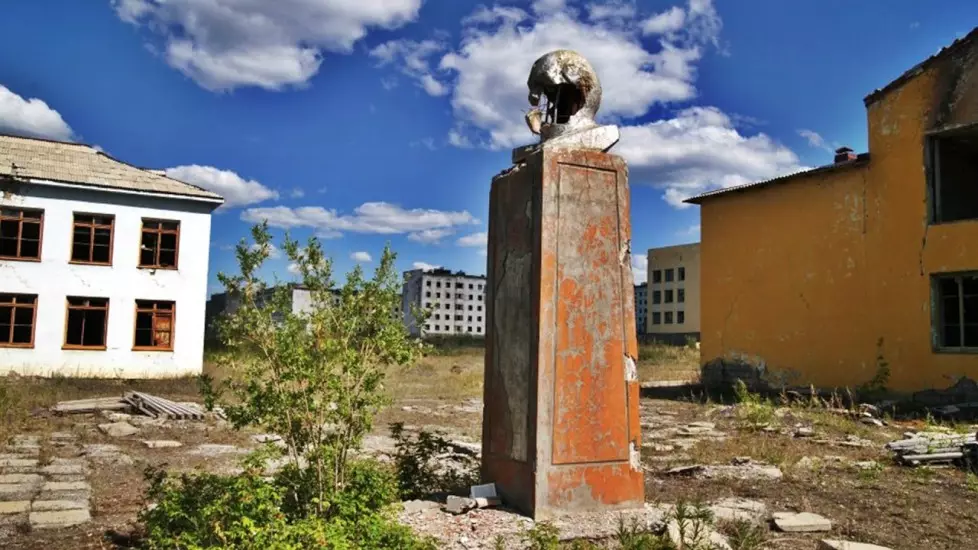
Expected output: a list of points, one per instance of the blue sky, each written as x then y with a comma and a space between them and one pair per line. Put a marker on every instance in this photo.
368, 121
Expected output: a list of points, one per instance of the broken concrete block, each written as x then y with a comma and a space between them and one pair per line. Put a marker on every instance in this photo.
7, 463
805, 522
847, 545
118, 429
459, 505
7, 479
17, 491
58, 519
210, 449
739, 509
162, 444
55, 505
64, 469
483, 491
14, 507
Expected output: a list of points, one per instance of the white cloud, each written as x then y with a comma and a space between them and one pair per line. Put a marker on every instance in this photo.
666, 22
475, 239
371, 217
486, 73
225, 44
698, 150
412, 59
361, 257
548, 6
430, 236
297, 193
691, 231
425, 266
31, 118
236, 190
640, 268
815, 139
293, 268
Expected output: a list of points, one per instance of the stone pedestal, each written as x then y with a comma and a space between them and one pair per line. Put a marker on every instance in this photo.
561, 429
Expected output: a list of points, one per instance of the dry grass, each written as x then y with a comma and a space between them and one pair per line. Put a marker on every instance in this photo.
660, 362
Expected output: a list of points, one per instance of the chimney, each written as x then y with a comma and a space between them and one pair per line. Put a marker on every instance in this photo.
844, 154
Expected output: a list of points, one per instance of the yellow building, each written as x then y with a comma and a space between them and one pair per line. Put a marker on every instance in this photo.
864, 266
673, 293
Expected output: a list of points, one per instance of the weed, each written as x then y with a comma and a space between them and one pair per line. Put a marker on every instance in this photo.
745, 535
429, 464
753, 411
971, 482
542, 536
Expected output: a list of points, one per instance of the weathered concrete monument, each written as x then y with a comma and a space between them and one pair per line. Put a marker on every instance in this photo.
561, 428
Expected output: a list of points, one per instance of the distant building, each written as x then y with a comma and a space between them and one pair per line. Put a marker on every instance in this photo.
301, 301
103, 265
456, 301
674, 293
641, 307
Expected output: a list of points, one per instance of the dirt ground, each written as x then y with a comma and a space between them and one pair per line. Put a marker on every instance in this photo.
867, 497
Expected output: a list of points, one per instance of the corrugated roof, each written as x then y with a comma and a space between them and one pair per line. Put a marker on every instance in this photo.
919, 68
860, 160
82, 164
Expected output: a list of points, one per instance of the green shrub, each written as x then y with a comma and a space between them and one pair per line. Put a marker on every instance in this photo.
429, 464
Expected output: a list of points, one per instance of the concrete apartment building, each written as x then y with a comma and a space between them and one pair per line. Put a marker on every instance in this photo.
456, 301
674, 297
818, 275
641, 307
96, 277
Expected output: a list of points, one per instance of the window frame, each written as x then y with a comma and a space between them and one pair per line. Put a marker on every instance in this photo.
159, 237
656, 318
680, 317
91, 238
656, 276
667, 318
680, 274
20, 232
172, 312
105, 328
14, 306
937, 313
932, 166
656, 297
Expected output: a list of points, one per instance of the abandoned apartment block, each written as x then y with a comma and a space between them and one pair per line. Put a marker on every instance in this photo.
674, 282
828, 275
92, 278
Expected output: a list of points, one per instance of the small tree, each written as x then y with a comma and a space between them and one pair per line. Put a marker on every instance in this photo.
313, 376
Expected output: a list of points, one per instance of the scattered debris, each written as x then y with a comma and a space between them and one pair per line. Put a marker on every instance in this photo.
847, 545
162, 444
930, 448
118, 429
460, 505
804, 522
152, 406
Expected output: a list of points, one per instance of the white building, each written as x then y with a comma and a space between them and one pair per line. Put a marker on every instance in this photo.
456, 302
641, 306
96, 277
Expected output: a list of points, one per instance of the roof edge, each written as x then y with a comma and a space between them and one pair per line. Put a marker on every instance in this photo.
878, 93
216, 199
861, 160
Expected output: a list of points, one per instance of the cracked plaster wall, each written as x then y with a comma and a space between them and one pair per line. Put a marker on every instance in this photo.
809, 274
53, 279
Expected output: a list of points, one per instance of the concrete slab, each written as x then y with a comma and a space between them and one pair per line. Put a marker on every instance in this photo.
805, 522
55, 505
63, 469
18, 463
847, 545
59, 519
66, 486
118, 429
162, 444
14, 507
6, 479
17, 491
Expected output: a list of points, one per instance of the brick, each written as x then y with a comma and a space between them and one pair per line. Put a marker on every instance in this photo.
14, 507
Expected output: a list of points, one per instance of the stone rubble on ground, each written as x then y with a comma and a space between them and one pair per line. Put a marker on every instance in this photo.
118, 429
847, 545
49, 496
803, 522
161, 444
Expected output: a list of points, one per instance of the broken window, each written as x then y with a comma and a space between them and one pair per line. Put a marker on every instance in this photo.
656, 276
154, 325
669, 275
20, 234
87, 323
656, 296
17, 320
669, 296
957, 311
668, 317
656, 318
681, 295
680, 317
681, 274
158, 249
91, 239
954, 175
